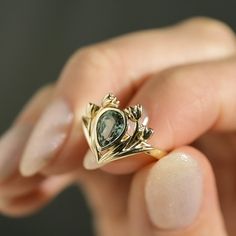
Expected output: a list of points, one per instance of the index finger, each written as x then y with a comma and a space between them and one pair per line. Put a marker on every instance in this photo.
117, 66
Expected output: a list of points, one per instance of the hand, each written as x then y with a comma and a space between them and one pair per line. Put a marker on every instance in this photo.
185, 77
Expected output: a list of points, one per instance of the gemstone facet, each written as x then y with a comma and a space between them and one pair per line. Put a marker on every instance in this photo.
110, 127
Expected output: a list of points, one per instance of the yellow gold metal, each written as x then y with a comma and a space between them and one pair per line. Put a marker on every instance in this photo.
126, 144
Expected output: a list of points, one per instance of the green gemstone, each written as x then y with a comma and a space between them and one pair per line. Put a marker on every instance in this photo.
110, 127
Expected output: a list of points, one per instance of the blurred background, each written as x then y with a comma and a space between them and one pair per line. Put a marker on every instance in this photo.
36, 39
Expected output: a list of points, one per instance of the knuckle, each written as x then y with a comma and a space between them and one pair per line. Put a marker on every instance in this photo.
210, 24
94, 57
218, 35
91, 63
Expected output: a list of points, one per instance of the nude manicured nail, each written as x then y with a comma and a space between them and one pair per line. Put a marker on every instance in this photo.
47, 138
90, 162
174, 191
12, 144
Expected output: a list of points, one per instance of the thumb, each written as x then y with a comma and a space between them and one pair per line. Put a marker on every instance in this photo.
178, 196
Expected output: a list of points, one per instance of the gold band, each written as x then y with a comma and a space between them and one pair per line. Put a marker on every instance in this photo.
113, 134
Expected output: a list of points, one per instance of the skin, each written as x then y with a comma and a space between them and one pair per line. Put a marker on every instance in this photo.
189, 69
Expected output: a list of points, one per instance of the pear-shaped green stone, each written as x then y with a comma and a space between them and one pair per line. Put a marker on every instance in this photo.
110, 127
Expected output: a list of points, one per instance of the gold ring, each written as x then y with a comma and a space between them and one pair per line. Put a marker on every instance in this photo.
113, 134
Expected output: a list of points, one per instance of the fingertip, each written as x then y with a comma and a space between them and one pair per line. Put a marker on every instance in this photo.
172, 201
180, 194
176, 196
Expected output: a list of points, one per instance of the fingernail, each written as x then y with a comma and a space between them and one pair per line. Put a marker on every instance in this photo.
12, 144
90, 162
47, 138
174, 191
